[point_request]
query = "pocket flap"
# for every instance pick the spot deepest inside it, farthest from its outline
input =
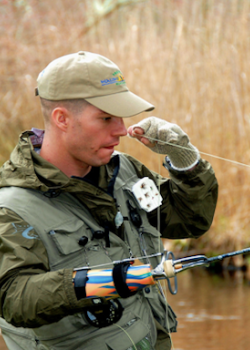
(66, 236)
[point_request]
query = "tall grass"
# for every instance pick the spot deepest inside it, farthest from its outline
(190, 58)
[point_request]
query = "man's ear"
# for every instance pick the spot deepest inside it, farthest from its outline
(60, 117)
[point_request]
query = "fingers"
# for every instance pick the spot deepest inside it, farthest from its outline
(137, 132)
(161, 136)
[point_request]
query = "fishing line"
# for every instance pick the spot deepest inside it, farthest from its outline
(158, 142)
(162, 289)
(133, 343)
(190, 150)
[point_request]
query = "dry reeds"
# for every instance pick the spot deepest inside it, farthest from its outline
(190, 58)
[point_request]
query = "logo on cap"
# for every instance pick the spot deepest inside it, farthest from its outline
(117, 78)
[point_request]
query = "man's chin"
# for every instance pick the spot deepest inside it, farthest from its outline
(102, 158)
(107, 156)
(102, 161)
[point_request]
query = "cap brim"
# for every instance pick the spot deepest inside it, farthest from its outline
(123, 104)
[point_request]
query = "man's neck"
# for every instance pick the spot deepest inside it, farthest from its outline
(54, 154)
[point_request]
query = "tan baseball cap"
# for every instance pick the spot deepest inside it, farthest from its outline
(89, 76)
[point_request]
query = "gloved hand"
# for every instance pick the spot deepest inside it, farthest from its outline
(166, 138)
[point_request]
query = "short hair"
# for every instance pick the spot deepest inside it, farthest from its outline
(75, 106)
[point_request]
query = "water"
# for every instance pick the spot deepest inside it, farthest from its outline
(213, 312)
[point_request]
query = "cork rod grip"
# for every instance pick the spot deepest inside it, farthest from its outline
(169, 269)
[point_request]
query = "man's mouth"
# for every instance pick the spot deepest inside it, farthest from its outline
(111, 146)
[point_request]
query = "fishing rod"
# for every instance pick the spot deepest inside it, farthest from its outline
(123, 278)
(137, 275)
(170, 267)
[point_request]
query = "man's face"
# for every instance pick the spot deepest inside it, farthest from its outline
(92, 136)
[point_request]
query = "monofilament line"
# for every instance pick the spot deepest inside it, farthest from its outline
(190, 150)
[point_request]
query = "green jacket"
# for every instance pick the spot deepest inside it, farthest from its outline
(189, 201)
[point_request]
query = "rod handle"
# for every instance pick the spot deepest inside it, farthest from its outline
(169, 269)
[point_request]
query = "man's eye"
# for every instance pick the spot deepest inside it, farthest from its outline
(107, 118)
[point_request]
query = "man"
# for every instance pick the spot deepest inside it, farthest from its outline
(68, 204)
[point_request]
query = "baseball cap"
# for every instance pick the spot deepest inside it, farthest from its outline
(90, 76)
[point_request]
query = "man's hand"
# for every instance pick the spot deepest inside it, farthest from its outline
(166, 138)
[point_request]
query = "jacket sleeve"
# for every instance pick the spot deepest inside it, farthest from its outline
(30, 294)
(189, 200)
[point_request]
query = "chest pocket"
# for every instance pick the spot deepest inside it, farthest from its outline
(70, 244)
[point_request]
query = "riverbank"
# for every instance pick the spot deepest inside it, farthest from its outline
(224, 266)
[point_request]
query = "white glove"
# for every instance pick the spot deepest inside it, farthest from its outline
(161, 134)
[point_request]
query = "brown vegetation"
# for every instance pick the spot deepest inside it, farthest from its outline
(190, 58)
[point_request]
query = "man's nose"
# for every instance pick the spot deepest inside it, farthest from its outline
(120, 129)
